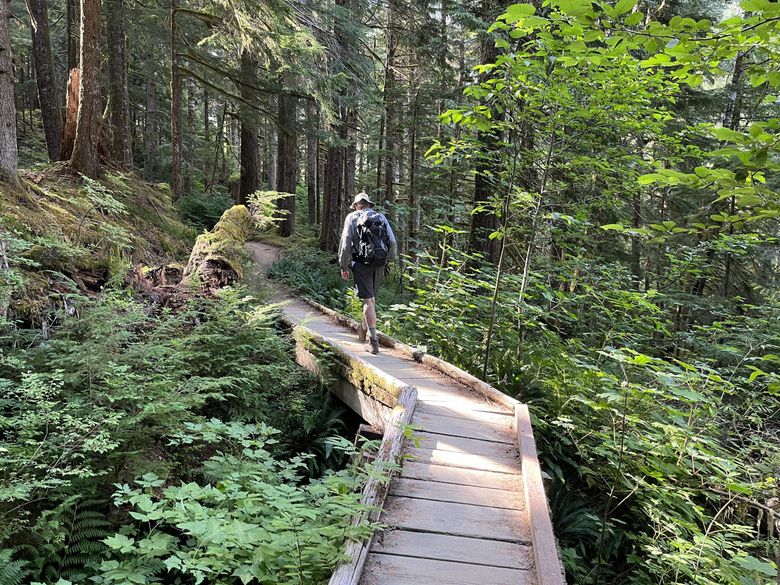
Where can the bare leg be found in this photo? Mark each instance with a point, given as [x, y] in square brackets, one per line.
[369, 313]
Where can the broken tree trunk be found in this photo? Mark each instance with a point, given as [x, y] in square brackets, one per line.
[217, 259]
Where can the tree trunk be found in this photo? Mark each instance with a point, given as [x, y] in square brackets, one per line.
[414, 199]
[350, 154]
[9, 157]
[176, 107]
[483, 223]
[334, 176]
[250, 171]
[45, 78]
[119, 98]
[312, 125]
[287, 161]
[85, 158]
[189, 140]
[206, 139]
[71, 114]
[72, 33]
[389, 107]
[150, 129]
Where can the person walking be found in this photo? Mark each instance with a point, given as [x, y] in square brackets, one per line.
[367, 244]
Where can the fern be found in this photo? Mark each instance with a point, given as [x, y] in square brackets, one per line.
[12, 572]
[80, 525]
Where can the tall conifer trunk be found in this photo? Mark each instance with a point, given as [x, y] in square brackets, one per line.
[176, 107]
[483, 223]
[312, 125]
[119, 98]
[250, 164]
[86, 158]
[287, 160]
[48, 97]
[9, 158]
[150, 129]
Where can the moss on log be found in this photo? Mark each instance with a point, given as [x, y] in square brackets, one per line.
[218, 257]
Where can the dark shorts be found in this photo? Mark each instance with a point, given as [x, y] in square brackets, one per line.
[368, 279]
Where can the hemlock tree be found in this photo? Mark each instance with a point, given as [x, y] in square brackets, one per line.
[48, 96]
[9, 158]
[86, 157]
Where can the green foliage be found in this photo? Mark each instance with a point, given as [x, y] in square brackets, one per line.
[203, 210]
[256, 522]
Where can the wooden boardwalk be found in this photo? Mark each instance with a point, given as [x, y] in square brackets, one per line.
[458, 512]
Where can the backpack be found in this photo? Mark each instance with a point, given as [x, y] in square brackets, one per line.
[371, 241]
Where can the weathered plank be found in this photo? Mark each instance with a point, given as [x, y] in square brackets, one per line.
[456, 519]
[460, 476]
[464, 460]
[465, 409]
[444, 547]
[423, 440]
[458, 494]
[385, 569]
[463, 428]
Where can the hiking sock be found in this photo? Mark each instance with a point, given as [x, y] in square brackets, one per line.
[372, 333]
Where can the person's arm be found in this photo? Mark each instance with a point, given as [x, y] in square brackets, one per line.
[392, 245]
[345, 247]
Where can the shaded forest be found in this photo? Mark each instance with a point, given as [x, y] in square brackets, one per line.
[586, 200]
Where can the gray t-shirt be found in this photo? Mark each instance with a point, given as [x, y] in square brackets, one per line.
[349, 239]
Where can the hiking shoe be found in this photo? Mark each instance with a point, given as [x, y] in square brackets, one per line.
[361, 333]
[374, 348]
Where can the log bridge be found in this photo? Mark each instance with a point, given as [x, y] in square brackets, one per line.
[468, 506]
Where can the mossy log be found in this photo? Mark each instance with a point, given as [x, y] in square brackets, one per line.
[218, 257]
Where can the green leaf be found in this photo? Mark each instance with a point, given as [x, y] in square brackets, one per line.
[517, 12]
[613, 227]
[624, 6]
[634, 19]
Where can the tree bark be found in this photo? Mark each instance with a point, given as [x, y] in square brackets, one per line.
[44, 76]
[189, 140]
[287, 161]
[9, 157]
[86, 158]
[72, 33]
[206, 139]
[176, 108]
[71, 114]
[390, 109]
[150, 129]
[119, 98]
[312, 125]
[250, 165]
[485, 222]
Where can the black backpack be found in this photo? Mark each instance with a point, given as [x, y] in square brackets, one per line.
[371, 241]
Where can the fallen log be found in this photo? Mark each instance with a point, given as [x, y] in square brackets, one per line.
[218, 257]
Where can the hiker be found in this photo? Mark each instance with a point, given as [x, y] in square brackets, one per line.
[367, 243]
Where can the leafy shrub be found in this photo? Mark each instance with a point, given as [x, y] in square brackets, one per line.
[257, 520]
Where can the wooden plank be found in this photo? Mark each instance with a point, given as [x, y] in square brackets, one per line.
[548, 564]
[385, 569]
[459, 494]
[464, 409]
[375, 492]
[460, 476]
[464, 460]
[463, 428]
[460, 549]
[456, 519]
[433, 441]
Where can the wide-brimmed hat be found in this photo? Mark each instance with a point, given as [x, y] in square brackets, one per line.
[362, 196]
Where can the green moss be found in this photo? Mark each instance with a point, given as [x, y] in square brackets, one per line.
[84, 232]
[218, 256]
